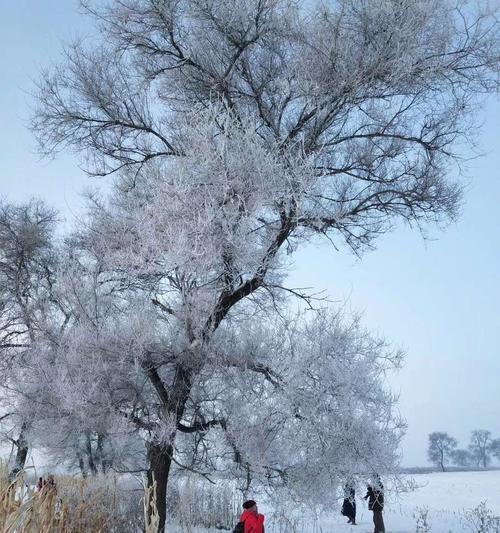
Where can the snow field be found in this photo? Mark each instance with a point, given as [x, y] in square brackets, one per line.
[446, 496]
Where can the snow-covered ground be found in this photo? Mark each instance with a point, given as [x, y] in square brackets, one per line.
[445, 495]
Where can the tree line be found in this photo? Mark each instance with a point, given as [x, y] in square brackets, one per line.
[443, 450]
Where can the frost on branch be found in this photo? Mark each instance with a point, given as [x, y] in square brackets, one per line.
[375, 96]
[304, 403]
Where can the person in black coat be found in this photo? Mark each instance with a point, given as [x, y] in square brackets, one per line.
[349, 504]
[375, 497]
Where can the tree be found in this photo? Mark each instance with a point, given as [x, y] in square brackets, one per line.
[59, 381]
[237, 131]
[315, 376]
[494, 448]
[462, 458]
[441, 448]
[480, 441]
[27, 264]
[32, 316]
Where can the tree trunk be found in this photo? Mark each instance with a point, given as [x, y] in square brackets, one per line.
[102, 457]
[160, 455]
[160, 461]
[81, 464]
[21, 453]
[90, 455]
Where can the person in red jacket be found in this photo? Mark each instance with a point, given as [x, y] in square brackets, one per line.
[252, 520]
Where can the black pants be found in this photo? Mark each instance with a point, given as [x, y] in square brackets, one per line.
[349, 509]
[378, 522]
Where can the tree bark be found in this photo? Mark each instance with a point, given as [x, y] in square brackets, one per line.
[160, 461]
[21, 453]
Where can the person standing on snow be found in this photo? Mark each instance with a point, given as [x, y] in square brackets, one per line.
[250, 520]
[349, 505]
[375, 496]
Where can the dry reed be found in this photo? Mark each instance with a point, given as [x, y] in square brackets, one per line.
[72, 506]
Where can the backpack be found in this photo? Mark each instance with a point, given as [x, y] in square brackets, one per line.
[240, 528]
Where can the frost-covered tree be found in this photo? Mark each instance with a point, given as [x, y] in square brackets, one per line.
[65, 384]
[479, 447]
[27, 267]
[462, 458]
[282, 398]
[237, 131]
[441, 448]
[494, 448]
[315, 414]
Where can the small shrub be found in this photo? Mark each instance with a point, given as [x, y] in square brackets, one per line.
[480, 519]
[421, 516]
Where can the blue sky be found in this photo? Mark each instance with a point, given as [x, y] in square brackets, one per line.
[439, 299]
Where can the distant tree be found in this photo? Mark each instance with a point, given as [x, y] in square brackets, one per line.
[462, 457]
[495, 448]
[480, 442]
[441, 447]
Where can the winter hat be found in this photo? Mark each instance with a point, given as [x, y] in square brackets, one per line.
[249, 504]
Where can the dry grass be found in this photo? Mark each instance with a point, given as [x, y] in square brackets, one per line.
[75, 506]
[98, 505]
[151, 521]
